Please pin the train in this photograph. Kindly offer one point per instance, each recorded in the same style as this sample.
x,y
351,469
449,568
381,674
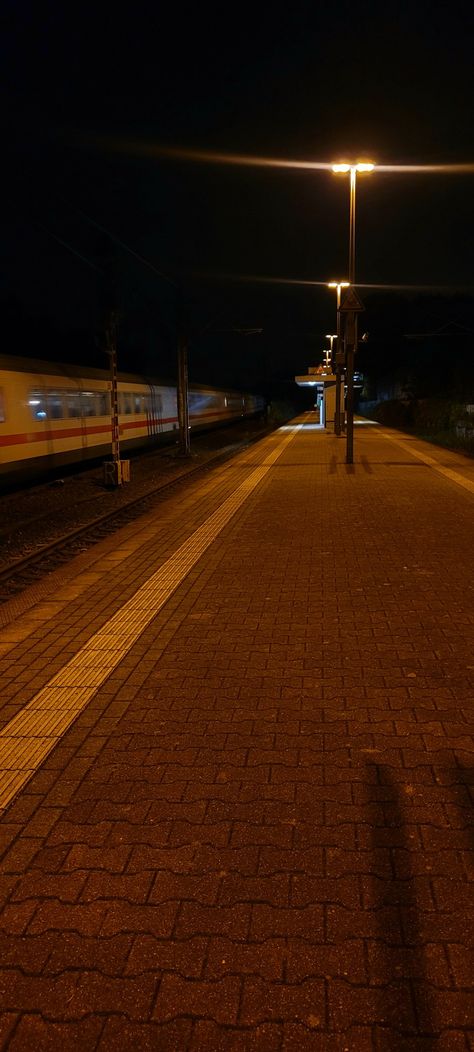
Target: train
x,y
53,415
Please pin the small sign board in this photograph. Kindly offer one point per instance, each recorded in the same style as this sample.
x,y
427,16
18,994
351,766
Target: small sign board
x,y
351,301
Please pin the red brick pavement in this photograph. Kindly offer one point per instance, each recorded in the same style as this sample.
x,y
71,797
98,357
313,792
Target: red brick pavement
x,y
257,835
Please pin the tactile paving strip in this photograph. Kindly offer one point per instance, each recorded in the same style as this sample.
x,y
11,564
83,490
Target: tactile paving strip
x,y
31,735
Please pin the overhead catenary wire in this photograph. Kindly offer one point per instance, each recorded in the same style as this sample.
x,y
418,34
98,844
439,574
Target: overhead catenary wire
x,y
69,247
113,237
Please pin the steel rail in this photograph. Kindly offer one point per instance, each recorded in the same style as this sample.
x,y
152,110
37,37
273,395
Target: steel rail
x,y
110,521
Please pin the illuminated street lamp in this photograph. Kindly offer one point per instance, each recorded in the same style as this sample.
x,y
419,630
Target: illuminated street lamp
x,y
350,340
338,285
327,359
331,336
353,169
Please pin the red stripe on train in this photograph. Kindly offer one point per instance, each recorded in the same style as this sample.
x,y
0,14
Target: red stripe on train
x,y
101,429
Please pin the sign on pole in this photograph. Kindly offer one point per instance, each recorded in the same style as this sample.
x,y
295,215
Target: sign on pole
x,y
351,301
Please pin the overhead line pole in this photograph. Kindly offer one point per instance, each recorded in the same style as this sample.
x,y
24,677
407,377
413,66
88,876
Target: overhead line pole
x,y
183,387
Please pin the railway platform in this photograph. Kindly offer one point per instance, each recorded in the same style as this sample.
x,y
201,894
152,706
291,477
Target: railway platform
x,y
236,764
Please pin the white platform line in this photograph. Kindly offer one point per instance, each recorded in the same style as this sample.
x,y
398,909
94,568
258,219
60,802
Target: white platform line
x,y
454,476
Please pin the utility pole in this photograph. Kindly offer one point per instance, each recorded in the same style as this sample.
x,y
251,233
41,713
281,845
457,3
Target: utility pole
x,y
111,350
183,391
351,343
116,471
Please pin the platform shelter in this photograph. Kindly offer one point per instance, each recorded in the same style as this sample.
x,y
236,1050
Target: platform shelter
x,y
323,380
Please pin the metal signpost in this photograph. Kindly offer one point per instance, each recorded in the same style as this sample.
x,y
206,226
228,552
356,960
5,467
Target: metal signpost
x,y
351,306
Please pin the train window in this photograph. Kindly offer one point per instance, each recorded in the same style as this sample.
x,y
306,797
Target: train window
x,y
200,401
126,402
72,401
138,403
2,407
55,405
88,403
38,405
102,403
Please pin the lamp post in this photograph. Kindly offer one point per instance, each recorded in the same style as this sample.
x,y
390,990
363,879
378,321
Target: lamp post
x,y
327,359
351,320
338,285
354,170
331,336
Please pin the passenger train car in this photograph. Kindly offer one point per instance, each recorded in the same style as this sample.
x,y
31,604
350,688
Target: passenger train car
x,y
52,415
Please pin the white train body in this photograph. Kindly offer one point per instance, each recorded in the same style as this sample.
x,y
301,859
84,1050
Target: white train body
x,y
53,414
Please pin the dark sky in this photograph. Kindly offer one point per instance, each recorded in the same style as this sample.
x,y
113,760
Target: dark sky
x,y
389,82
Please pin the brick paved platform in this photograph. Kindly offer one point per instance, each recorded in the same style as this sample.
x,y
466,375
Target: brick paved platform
x,y
254,835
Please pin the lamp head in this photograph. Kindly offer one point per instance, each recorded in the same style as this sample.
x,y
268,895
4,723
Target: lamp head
x,y
361,166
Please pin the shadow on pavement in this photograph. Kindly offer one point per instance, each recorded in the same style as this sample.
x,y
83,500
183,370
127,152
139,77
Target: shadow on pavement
x,y
403,962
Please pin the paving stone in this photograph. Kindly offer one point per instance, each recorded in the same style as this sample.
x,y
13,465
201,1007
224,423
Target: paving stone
x,y
53,915
186,956
306,890
120,1035
266,959
264,1001
267,922
15,917
460,960
87,952
21,854
243,861
388,963
134,887
306,958
352,1005
34,1034
209,1035
168,885
272,890
218,1000
297,1037
194,919
95,992
111,859
26,993
66,887
123,916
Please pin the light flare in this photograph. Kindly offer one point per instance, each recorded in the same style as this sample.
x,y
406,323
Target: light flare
x,y
259,279
142,148
146,149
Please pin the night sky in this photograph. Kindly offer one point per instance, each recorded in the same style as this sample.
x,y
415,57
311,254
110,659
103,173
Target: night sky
x,y
92,95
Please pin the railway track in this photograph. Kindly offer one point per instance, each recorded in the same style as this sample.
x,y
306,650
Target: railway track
x,y
21,572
